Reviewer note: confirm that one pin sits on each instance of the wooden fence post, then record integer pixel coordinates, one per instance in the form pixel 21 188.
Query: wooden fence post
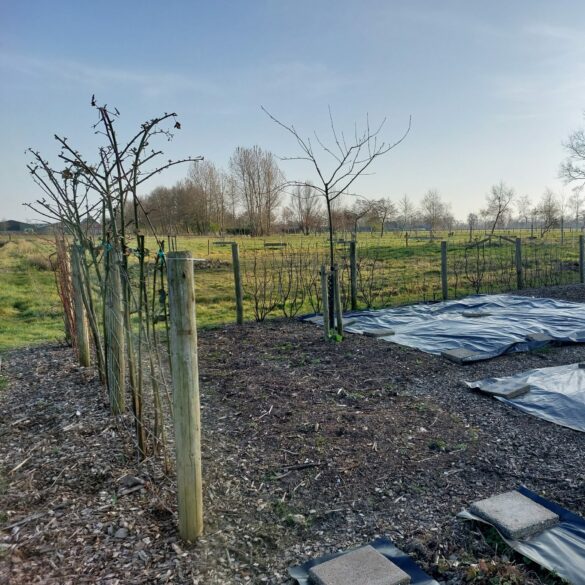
pixel 581 260
pixel 81 329
pixel 353 273
pixel 444 276
pixel 238 284
pixel 325 301
pixel 337 300
pixel 186 407
pixel 114 328
pixel 518 257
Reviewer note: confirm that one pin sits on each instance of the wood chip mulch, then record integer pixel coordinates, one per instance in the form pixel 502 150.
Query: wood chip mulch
pixel 308 447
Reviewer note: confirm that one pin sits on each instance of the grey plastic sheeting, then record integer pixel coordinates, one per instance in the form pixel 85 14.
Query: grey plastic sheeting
pixel 503 324
pixel 560 549
pixel 418 577
pixel 555 394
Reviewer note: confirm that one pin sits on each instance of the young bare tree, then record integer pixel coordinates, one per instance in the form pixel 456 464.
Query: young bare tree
pixel 499 203
pixel 360 209
pixel 339 164
pixel 472 223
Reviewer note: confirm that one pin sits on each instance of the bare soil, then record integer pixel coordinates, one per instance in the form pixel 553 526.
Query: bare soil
pixel 309 447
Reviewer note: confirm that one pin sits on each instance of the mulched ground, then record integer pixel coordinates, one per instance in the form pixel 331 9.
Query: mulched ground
pixel 309 447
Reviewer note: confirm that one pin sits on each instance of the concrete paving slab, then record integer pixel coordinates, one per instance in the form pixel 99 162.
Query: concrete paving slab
pixel 364 566
pixel 476 314
pixel 514 515
pixel 507 392
pixel 378 332
pixel 540 337
pixel 460 355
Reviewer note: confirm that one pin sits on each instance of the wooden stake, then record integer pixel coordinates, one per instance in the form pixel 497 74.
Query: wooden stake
pixel 444 276
pixel 81 330
pixel 325 302
pixel 518 259
pixel 337 298
pixel 186 408
pixel 238 284
pixel 353 273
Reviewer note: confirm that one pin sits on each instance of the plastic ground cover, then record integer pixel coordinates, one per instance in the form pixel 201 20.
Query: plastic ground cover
pixel 487 325
pixel 555 394
pixel 385 547
pixel 560 549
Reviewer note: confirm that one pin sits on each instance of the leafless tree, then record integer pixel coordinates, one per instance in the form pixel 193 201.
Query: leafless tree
pixel 547 211
pixel 383 209
pixel 472 223
pixel 576 203
pixel 259 183
pixel 340 163
pixel 406 211
pixel 499 202
pixel 433 211
pixel 573 168
pixel 360 209
pixel 306 207
pixel 524 208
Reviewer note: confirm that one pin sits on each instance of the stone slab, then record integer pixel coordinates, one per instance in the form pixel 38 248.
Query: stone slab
pixel 459 355
pixel 364 566
pixel 540 337
pixel 476 314
pixel 507 392
pixel 378 332
pixel 515 515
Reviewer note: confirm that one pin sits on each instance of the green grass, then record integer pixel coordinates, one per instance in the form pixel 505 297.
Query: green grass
pixel 389 272
pixel 30 310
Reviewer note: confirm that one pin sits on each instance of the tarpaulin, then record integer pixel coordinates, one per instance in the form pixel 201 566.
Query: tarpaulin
pixel 555 394
pixel 487 325
pixel 560 549
pixel 418 577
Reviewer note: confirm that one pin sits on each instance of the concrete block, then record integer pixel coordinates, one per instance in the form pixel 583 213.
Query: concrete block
pixel 540 337
pixel 476 314
pixel 507 392
pixel 515 515
pixel 378 332
pixel 459 355
pixel 364 566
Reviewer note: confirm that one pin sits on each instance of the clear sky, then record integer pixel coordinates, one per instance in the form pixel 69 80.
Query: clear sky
pixel 494 88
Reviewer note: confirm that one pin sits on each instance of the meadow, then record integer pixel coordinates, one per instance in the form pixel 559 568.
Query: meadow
pixel 280 273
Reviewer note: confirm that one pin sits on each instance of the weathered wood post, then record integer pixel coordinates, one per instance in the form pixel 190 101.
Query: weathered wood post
pixel 582 259
pixel 337 300
pixel 114 328
pixel 81 328
pixel 238 284
pixel 186 408
pixel 444 276
pixel 353 273
pixel 325 301
pixel 518 258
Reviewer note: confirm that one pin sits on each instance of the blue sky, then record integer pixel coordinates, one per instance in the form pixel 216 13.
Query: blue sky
pixel 493 87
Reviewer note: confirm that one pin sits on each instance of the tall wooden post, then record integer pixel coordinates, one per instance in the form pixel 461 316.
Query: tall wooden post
pixel 325 301
pixel 581 260
pixel 186 408
pixel 518 260
pixel 353 273
pixel 444 275
pixel 81 329
pixel 238 284
pixel 337 300
pixel 114 327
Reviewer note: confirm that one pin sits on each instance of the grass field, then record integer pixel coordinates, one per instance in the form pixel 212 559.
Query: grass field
pixel 389 273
